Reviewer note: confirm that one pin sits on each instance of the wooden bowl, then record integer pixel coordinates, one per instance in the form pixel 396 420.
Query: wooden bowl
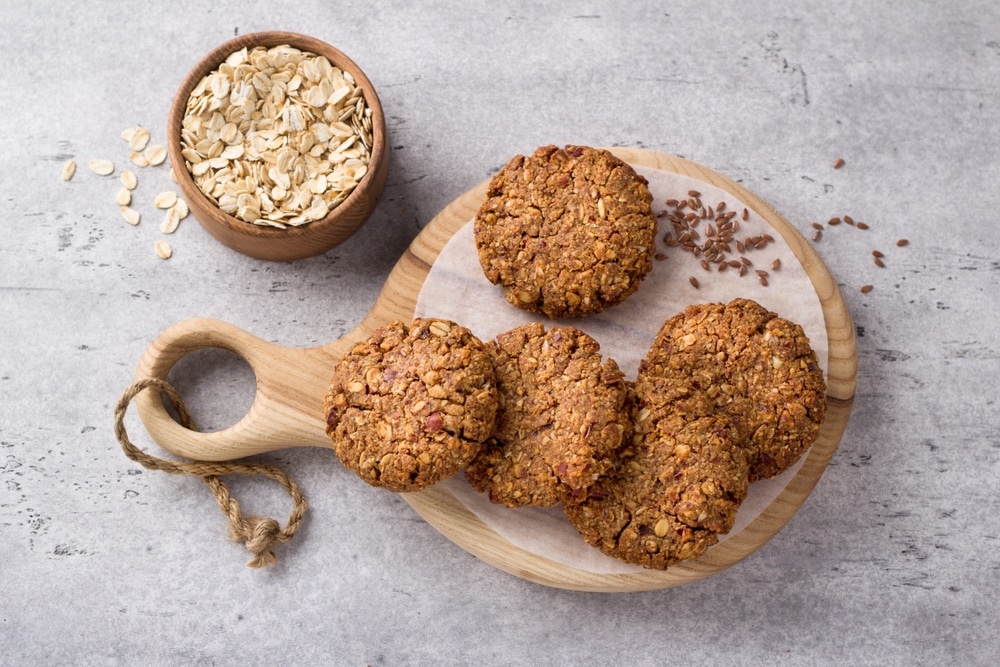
pixel 271 243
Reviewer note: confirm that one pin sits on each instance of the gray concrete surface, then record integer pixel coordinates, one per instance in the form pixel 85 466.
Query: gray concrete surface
pixel 893 560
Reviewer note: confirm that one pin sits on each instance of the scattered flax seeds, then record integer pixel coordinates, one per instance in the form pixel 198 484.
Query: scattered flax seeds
pixel 709 233
pixel 838 163
pixel 902 242
pixel 866 288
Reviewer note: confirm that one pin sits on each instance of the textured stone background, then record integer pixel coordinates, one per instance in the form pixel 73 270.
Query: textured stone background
pixel 892 560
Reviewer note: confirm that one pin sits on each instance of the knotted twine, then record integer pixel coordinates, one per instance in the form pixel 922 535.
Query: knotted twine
pixel 259 534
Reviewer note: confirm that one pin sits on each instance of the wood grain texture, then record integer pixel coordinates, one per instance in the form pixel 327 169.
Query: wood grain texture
pixel 287 410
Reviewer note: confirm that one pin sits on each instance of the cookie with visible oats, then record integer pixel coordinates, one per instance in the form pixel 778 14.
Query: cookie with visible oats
pixel 562 415
pixel 742 361
pixel 411 405
pixel 674 489
pixel 567 231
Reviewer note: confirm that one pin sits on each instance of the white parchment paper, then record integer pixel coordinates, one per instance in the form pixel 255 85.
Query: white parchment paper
pixel 456 289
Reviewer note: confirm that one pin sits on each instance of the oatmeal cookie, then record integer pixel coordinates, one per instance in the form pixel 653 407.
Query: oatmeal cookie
pixel 745 362
pixel 674 489
pixel 562 415
pixel 566 231
pixel 411 405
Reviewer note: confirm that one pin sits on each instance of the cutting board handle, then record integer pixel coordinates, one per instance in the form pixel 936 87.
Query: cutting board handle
pixel 287 410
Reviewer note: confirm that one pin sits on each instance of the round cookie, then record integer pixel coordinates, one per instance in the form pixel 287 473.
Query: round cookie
pixel 411 405
pixel 673 490
pixel 566 231
pixel 745 362
pixel 562 415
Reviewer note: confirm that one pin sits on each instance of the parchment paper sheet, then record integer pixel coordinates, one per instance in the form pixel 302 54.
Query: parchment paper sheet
pixel 456 289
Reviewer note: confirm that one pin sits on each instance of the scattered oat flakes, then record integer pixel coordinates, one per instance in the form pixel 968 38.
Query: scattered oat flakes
pixel 170 221
pixel 139 138
pixel 124 197
pixel 127 134
pixel 155 155
pixel 68 170
pixel 102 167
pixel 182 208
pixel 165 199
pixel 130 214
pixel 138 159
pixel 164 250
pixel 129 180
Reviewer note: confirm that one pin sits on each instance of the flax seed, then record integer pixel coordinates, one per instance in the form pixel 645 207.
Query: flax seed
pixel 817 235
pixel 879 263
pixel 866 288
pixel 838 163
pixel 861 225
pixel 877 253
pixel 902 242
pixel 775 265
pixel 693 281
pixel 816 225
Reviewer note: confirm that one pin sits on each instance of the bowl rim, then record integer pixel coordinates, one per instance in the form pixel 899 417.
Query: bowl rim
pixel 210 62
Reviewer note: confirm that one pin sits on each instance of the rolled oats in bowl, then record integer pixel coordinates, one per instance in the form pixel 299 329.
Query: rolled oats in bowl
pixel 277 136
pixel 278 143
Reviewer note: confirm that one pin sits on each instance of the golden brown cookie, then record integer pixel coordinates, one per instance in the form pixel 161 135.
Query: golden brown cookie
pixel 672 492
pixel 743 361
pixel 562 415
pixel 411 405
pixel 566 231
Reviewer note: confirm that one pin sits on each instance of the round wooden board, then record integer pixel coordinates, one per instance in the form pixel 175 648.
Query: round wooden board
pixel 439 508
pixel 291 382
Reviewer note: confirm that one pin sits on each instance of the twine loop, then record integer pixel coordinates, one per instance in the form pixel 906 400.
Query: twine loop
pixel 259 534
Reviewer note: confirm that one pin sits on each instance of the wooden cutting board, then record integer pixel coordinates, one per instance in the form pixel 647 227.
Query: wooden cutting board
pixel 291 382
